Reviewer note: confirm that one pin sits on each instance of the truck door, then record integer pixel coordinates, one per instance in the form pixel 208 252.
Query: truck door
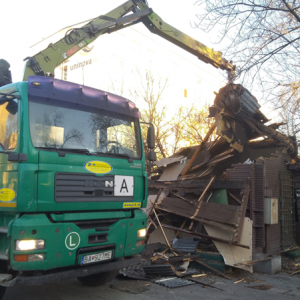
pixel 9 125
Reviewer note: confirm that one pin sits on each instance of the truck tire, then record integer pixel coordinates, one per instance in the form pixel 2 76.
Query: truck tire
pixel 3 269
pixel 97 279
pixel 2 291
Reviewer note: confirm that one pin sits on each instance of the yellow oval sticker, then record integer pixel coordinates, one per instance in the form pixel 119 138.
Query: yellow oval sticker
pixel 7 195
pixel 98 167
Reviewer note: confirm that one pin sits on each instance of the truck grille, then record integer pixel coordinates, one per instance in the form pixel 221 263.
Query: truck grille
pixel 98 238
pixel 72 187
pixel 98 225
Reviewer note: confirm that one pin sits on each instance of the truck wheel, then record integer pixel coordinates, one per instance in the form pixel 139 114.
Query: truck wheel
pixel 2 291
pixel 3 269
pixel 97 279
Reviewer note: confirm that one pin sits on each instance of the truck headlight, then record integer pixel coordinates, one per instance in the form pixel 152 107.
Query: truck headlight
pixel 141 233
pixel 30 244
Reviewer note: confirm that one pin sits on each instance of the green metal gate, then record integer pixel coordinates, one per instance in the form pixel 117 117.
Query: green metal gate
pixel 287 210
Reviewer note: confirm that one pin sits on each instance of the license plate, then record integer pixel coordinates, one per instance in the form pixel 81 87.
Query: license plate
pixel 92 258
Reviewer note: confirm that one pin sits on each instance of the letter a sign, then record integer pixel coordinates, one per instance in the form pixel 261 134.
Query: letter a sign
pixel 124 186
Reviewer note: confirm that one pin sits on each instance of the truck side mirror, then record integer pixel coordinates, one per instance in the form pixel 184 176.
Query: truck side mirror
pixel 151 155
pixel 12 107
pixel 5 74
pixel 151 138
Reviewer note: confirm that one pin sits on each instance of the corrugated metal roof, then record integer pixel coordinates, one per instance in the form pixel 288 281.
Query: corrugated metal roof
pixel 173 282
pixel 186 245
pixel 156 270
pixel 256 199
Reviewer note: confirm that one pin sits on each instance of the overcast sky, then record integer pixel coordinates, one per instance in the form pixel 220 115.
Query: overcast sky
pixel 24 23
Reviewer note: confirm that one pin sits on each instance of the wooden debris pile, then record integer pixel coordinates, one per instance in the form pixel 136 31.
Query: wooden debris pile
pixel 194 195
pixel 176 267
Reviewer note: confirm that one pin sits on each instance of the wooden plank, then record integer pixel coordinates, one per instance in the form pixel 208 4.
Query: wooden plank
pixel 218 225
pixel 199 185
pixel 204 284
pixel 161 228
pixel 206 236
pixel 182 225
pixel 235 198
pixel 252 262
pixel 212 269
pixel 230 252
pixel 214 161
pixel 243 212
pixel 155 201
pixel 224 153
pixel 198 166
pixel 252 126
pixel 221 213
pixel 182 198
pixel 200 147
pixel 218 184
pixel 206 189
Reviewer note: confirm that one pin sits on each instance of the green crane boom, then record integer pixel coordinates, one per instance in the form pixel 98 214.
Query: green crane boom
pixel 127 14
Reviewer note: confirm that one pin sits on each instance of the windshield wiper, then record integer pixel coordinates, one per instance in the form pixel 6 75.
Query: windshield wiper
pixel 61 151
pixel 130 159
pixel 75 150
pixel 4 150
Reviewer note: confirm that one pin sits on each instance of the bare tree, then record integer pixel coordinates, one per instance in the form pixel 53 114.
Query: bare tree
pixel 73 134
pixel 289 112
pixel 184 128
pixel 167 129
pixel 262 38
pixel 190 126
pixel 53 122
pixel 154 111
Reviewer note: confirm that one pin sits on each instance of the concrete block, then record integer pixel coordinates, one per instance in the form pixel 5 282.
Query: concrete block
pixel 270 266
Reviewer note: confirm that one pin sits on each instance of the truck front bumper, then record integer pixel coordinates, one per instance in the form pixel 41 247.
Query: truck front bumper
pixel 72 273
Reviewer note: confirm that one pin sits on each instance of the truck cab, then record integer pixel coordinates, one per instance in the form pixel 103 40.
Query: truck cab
pixel 72 182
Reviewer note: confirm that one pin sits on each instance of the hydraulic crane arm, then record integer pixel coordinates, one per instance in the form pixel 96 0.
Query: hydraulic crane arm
pixel 44 62
pixel 156 25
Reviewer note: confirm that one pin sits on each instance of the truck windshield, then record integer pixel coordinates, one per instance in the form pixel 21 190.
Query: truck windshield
pixel 59 125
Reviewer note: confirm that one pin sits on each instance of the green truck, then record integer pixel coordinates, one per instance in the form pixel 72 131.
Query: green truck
pixel 72 161
pixel 72 182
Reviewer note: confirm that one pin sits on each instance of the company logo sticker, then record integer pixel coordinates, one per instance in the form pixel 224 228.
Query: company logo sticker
pixel 98 167
pixel 131 204
pixel 70 52
pixel 7 195
pixel 136 166
pixel 72 240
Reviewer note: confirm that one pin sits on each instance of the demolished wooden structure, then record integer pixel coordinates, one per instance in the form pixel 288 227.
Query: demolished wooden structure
pixel 231 218
pixel 222 183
